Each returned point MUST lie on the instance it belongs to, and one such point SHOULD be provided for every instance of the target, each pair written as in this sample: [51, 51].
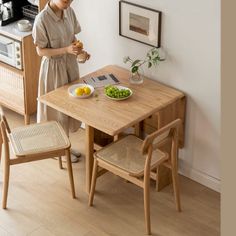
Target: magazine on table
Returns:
[101, 81]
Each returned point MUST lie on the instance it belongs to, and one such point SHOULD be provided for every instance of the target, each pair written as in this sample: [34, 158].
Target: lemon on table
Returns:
[79, 91]
[87, 90]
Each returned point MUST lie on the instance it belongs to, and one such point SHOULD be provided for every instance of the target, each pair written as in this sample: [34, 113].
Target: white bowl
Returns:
[120, 99]
[72, 88]
[24, 25]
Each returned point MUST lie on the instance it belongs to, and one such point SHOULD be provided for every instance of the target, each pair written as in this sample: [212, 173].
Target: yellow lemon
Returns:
[87, 90]
[79, 91]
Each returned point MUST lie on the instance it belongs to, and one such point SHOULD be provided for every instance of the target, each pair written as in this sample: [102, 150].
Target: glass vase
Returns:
[137, 77]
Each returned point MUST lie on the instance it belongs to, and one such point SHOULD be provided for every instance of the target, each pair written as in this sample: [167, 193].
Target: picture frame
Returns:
[140, 23]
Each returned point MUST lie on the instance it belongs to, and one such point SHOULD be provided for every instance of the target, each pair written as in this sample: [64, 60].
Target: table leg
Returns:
[138, 129]
[27, 119]
[89, 142]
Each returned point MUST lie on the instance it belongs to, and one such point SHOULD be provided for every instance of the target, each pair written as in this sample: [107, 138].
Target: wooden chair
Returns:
[31, 143]
[133, 159]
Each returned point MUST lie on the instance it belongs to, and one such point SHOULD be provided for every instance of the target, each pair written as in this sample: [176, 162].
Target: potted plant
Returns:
[152, 59]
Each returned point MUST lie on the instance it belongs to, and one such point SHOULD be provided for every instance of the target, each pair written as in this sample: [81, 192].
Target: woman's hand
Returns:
[50, 52]
[73, 49]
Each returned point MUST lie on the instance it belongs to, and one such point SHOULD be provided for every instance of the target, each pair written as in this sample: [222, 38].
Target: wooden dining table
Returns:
[110, 116]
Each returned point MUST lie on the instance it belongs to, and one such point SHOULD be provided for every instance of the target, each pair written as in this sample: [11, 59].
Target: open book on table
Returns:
[101, 81]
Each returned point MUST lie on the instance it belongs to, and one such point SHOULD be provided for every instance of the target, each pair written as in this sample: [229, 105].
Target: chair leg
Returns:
[60, 163]
[70, 172]
[6, 175]
[94, 178]
[175, 181]
[0, 146]
[157, 179]
[146, 192]
[0, 151]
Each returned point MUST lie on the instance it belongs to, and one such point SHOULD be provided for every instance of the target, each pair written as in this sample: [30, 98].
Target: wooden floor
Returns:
[40, 203]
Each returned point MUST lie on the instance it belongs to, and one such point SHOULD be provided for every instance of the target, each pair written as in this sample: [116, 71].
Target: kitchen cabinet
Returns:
[18, 87]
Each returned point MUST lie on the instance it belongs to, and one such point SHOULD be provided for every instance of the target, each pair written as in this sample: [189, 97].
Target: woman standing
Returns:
[54, 33]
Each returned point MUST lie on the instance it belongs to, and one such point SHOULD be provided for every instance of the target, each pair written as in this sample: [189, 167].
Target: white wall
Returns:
[191, 38]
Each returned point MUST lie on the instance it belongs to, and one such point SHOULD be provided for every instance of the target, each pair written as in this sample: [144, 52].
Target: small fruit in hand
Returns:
[87, 90]
[79, 91]
[79, 44]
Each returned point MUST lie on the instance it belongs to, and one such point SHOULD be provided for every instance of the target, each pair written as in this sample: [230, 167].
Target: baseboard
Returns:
[200, 177]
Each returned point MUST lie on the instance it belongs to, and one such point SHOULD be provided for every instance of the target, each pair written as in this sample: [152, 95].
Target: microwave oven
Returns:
[11, 52]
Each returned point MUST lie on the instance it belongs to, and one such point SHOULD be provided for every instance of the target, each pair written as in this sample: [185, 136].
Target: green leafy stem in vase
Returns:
[152, 59]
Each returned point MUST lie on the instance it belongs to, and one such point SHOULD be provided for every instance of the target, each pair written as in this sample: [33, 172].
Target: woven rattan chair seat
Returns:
[126, 154]
[38, 138]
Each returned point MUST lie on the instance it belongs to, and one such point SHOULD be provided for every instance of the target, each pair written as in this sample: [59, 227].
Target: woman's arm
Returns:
[49, 52]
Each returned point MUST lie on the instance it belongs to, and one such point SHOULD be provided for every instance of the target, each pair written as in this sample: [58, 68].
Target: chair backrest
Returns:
[4, 129]
[3, 119]
[160, 137]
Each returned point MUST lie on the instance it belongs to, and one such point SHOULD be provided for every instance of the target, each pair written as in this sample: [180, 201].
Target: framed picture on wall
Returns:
[140, 23]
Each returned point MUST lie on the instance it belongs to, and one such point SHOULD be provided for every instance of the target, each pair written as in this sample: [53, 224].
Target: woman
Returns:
[54, 33]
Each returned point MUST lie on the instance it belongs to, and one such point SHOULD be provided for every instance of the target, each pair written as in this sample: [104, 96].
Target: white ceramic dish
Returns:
[26, 30]
[24, 25]
[121, 87]
[72, 88]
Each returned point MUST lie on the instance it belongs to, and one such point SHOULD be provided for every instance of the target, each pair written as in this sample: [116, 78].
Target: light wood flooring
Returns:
[40, 203]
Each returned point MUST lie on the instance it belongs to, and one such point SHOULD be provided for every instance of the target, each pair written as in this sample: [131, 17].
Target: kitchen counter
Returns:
[11, 30]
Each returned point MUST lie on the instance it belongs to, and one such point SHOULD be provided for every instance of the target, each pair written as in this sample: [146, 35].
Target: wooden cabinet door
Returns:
[12, 89]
